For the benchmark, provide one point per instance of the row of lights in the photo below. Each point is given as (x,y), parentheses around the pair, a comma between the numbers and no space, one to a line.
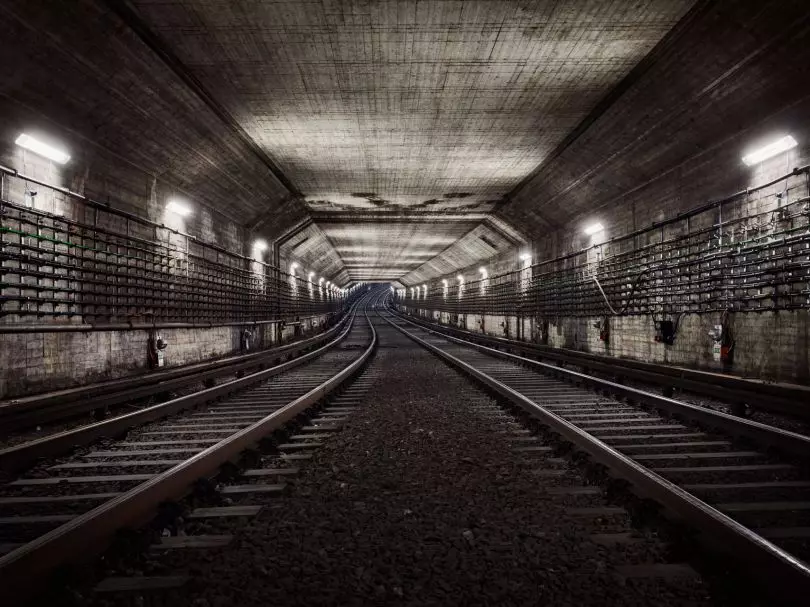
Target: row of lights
(524,257)
(311,276)
(179,207)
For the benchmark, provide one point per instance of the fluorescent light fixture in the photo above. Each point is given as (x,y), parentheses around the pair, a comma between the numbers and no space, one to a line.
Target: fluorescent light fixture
(594,228)
(525,256)
(260,245)
(42,148)
(177,207)
(772,149)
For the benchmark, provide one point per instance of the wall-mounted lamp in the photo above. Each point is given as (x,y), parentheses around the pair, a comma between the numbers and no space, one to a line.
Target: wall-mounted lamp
(179,208)
(42,149)
(594,228)
(769,151)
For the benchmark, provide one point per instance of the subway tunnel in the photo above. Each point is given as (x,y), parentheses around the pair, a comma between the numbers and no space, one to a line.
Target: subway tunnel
(330,302)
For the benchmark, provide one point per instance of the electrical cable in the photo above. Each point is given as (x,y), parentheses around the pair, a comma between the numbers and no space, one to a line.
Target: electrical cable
(629,297)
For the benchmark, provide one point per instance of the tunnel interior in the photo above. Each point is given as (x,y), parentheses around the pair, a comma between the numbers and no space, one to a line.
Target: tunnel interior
(576,174)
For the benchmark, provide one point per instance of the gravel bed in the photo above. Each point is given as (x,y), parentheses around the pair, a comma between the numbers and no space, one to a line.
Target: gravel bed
(421,501)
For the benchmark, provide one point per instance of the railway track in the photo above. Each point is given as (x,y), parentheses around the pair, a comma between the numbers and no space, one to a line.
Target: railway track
(61,511)
(742,484)
(41,409)
(741,394)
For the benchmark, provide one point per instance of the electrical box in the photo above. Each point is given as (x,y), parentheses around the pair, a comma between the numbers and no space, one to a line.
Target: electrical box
(665,332)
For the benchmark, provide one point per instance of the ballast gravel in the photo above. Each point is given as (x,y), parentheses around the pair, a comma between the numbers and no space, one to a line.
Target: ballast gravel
(421,499)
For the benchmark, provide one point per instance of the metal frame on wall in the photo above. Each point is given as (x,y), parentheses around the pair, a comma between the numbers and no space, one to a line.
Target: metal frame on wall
(749,252)
(96,267)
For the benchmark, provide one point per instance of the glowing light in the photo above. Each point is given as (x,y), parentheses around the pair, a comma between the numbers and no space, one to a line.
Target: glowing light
(260,245)
(460,278)
(320,280)
(483,271)
(310,275)
(525,257)
(769,151)
(444,282)
(42,148)
(179,208)
(293,266)
(594,228)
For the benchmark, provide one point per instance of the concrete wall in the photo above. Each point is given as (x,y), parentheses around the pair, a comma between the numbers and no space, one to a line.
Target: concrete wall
(39,362)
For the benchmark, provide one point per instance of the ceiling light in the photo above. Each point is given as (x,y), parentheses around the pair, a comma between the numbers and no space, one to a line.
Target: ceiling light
(594,229)
(260,245)
(41,148)
(772,149)
(179,208)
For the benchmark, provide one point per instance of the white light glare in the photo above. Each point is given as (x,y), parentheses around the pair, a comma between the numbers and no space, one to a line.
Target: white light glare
(41,148)
(594,229)
(525,256)
(310,275)
(460,278)
(483,271)
(260,245)
(293,266)
(179,208)
(444,282)
(772,149)
(320,280)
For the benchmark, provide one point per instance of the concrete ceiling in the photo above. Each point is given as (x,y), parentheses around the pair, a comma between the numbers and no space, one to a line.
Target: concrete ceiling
(406,107)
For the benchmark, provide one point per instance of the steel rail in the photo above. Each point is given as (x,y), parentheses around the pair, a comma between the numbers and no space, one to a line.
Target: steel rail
(60,404)
(92,531)
(788,400)
(792,443)
(18,457)
(783,573)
